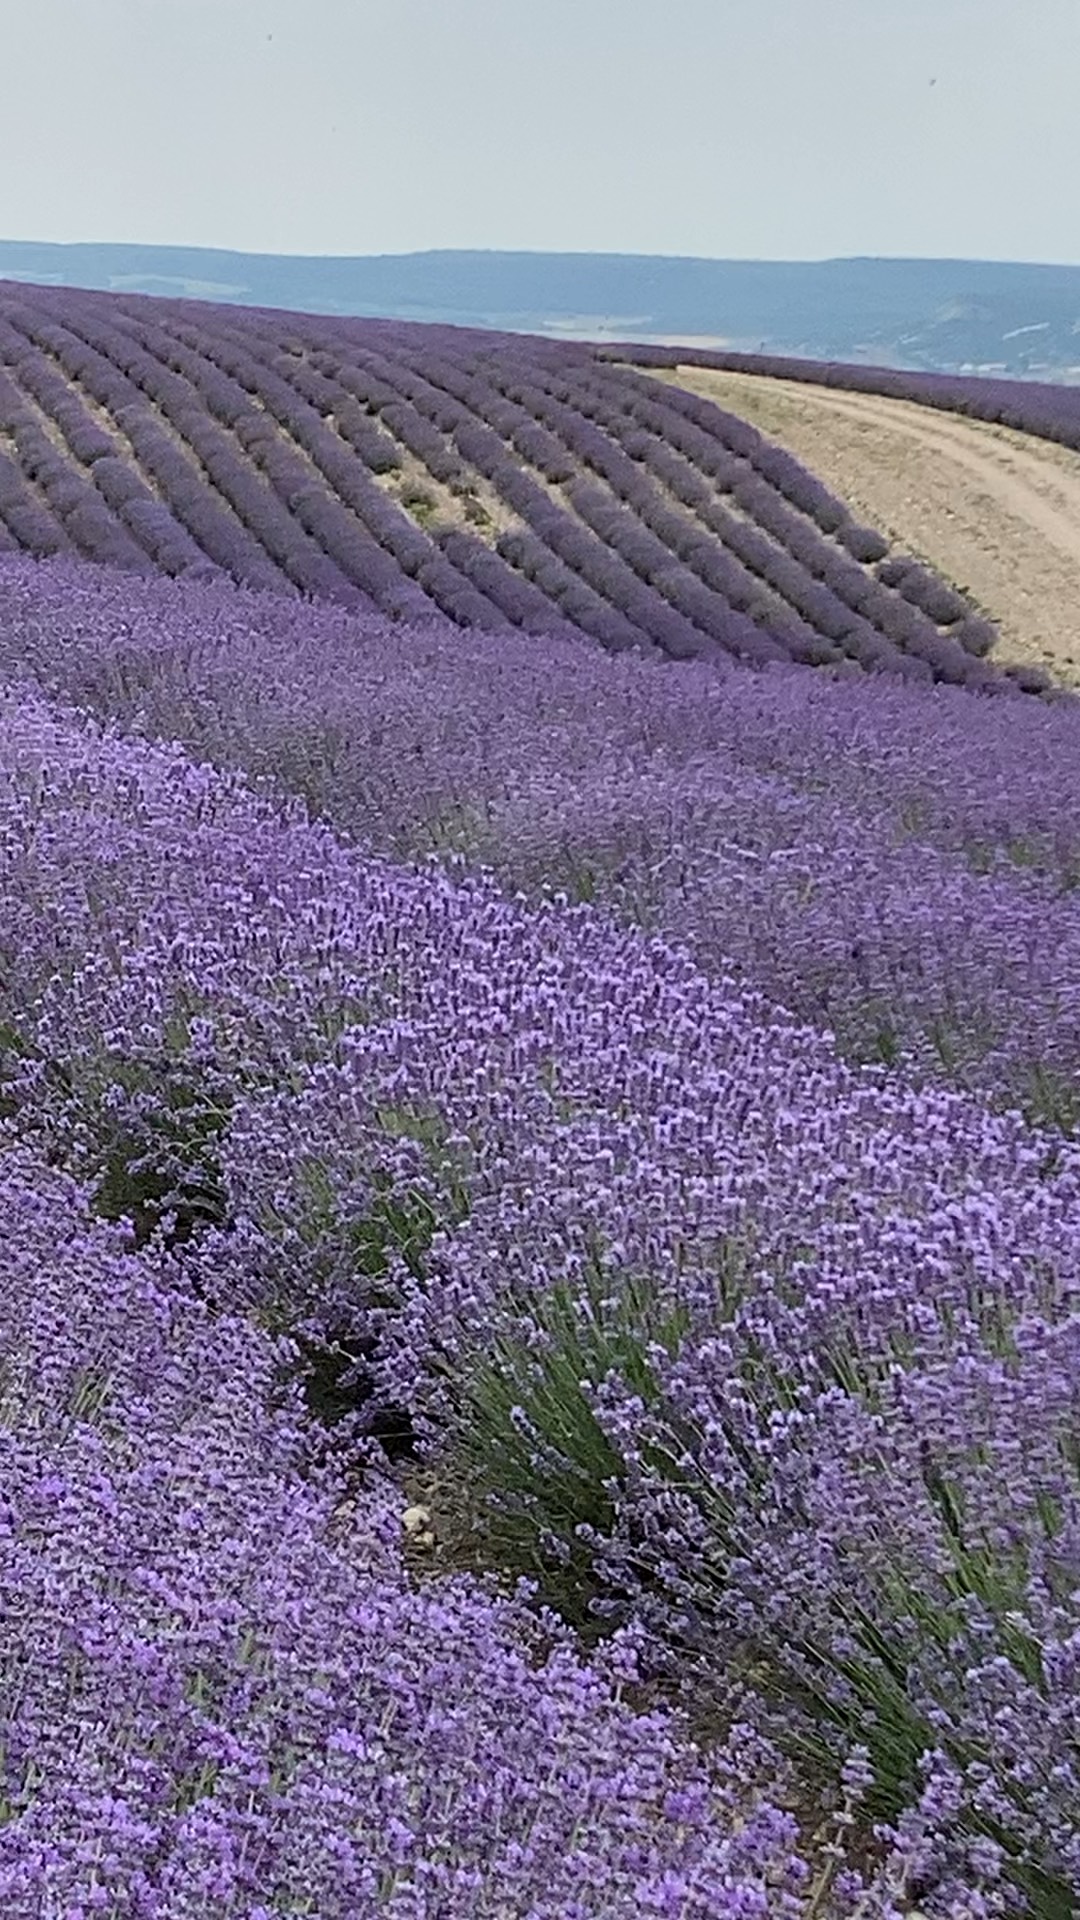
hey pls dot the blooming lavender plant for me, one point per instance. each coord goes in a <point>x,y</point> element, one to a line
<point>218,1696</point>
<point>221,1691</point>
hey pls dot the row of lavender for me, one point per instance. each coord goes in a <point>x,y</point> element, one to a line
<point>898,864</point>
<point>156,434</point>
<point>603,1228</point>
<point>1029,406</point>
<point>667,459</point>
<point>219,1693</point>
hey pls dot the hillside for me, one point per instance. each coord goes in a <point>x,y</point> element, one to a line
<point>423,472</point>
<point>982,504</point>
<point>961,315</point>
<point>540,1252</point>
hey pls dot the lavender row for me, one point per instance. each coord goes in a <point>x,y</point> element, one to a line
<point>222,1694</point>
<point>253,486</point>
<point>589,413</point>
<point>69,500</point>
<point>443,587</point>
<point>586,584</point>
<point>512,405</point>
<point>279,549</point>
<point>346,521</point>
<point>594,1211</point>
<point>24,515</point>
<point>901,868</point>
<point>454,592</point>
<point>769,500</point>
<point>173,485</point>
<point>514,597</point>
<point>139,528</point>
<point>587,427</point>
<point>702,542</point>
<point>845,587</point>
<point>700,612</point>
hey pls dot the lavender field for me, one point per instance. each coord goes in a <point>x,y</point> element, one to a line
<point>436,472</point>
<point>540,1111</point>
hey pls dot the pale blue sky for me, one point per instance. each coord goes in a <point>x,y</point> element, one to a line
<point>767,129</point>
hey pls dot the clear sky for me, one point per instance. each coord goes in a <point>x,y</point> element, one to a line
<point>754,129</point>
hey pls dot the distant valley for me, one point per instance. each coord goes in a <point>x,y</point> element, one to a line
<point>958,316</point>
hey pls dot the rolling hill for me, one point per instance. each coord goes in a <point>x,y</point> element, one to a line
<point>430,472</point>
<point>539,1127</point>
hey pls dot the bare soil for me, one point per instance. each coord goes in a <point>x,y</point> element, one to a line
<point>995,512</point>
<point>448,507</point>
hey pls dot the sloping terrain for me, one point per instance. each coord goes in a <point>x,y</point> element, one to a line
<point>664,1203</point>
<point>1046,408</point>
<point>424,471</point>
<point>995,511</point>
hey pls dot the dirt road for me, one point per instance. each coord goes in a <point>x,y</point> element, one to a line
<point>996,512</point>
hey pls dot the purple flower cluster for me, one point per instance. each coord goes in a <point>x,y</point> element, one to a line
<point>220,1694</point>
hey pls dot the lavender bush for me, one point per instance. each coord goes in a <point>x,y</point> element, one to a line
<point>221,1690</point>
<point>220,1695</point>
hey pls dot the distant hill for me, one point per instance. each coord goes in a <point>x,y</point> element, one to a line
<point>963,316</point>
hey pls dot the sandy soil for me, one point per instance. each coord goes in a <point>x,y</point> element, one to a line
<point>996,512</point>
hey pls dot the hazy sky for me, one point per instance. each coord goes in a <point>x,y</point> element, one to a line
<point>768,129</point>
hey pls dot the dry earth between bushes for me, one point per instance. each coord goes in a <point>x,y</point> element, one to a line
<point>996,512</point>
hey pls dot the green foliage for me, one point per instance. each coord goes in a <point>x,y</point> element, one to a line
<point>14,1049</point>
<point>166,1161</point>
<point>851,1679</point>
<point>1050,1099</point>
<point>458,827</point>
<point>599,879</point>
<point>547,1484</point>
<point>406,1221</point>
<point>418,500</point>
<point>143,1127</point>
<point>528,1444</point>
<point>399,1223</point>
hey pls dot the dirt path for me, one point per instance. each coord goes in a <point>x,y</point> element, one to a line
<point>994,511</point>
